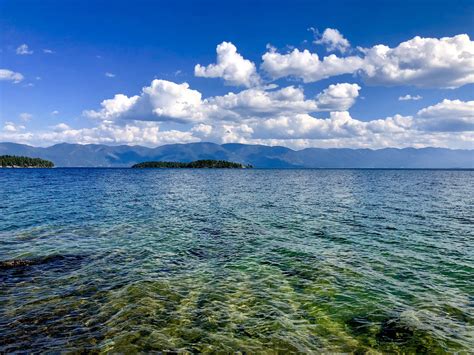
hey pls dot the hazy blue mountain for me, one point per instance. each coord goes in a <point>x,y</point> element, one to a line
<point>260,156</point>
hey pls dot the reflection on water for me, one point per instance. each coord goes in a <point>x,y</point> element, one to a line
<point>126,260</point>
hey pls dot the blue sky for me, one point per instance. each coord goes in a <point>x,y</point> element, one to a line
<point>62,59</point>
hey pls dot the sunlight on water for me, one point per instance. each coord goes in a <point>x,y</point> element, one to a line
<point>121,260</point>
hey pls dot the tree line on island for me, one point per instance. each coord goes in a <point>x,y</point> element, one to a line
<point>198,164</point>
<point>13,161</point>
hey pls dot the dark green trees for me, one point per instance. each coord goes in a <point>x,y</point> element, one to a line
<point>12,161</point>
<point>198,164</point>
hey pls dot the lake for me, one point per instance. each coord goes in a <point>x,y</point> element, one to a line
<point>128,260</point>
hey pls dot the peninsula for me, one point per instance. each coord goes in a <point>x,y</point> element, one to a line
<point>12,161</point>
<point>198,164</point>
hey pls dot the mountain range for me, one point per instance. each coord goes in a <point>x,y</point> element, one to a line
<point>259,156</point>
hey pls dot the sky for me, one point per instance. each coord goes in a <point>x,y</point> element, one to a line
<point>354,74</point>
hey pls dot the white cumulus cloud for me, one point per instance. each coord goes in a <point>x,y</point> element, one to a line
<point>9,75</point>
<point>409,97</point>
<point>168,101</point>
<point>23,50</point>
<point>297,130</point>
<point>447,116</point>
<point>12,127</point>
<point>424,62</point>
<point>285,116</point>
<point>230,66</point>
<point>257,102</point>
<point>333,40</point>
<point>61,127</point>
<point>161,101</point>
<point>143,133</point>
<point>307,66</point>
<point>338,97</point>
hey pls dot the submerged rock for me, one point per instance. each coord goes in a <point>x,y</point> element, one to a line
<point>360,325</point>
<point>396,333</point>
<point>407,332</point>
<point>9,264</point>
<point>55,260</point>
<point>394,330</point>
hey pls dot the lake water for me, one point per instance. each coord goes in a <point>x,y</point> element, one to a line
<point>127,260</point>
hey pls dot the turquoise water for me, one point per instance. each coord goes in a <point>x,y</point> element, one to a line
<point>122,260</point>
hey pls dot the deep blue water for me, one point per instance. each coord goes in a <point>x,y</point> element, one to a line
<point>127,260</point>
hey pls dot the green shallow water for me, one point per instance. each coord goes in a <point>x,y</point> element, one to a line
<point>276,261</point>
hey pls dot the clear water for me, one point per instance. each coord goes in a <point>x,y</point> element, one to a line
<point>126,260</point>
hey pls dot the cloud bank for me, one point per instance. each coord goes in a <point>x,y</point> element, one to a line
<point>424,62</point>
<point>259,111</point>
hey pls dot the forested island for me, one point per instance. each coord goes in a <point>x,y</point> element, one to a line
<point>13,161</point>
<point>198,164</point>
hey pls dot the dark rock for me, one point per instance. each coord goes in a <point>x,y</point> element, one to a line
<point>393,329</point>
<point>10,264</point>
<point>49,261</point>
<point>359,325</point>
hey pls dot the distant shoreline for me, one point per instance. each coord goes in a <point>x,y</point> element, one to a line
<point>259,156</point>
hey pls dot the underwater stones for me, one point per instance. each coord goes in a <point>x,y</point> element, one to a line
<point>10,264</point>
<point>360,325</point>
<point>15,271</point>
<point>50,260</point>
<point>401,327</point>
<point>50,327</point>
<point>393,330</point>
<point>402,332</point>
<point>406,330</point>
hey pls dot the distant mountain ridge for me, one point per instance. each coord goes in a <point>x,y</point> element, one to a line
<point>259,156</point>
